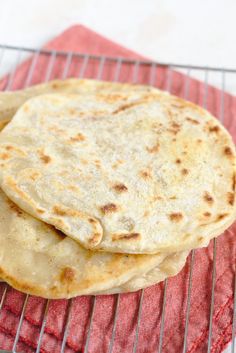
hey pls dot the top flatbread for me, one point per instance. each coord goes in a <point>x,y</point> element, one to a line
<point>153,173</point>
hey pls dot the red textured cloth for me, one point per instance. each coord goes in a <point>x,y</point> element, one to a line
<point>81,39</point>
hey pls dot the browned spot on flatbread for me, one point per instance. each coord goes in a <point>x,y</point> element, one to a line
<point>206,214</point>
<point>146,213</point>
<point>208,198</point>
<point>173,198</point>
<point>175,125</point>
<point>228,151</point>
<point>233,182</point>
<point>34,175</point>
<point>117,163</point>
<point>230,198</point>
<point>73,188</point>
<point>178,161</point>
<point>109,208</point>
<point>145,174</point>
<point>5,156</point>
<point>184,171</point>
<point>200,238</point>
<point>199,141</point>
<point>176,216</point>
<point>125,236</point>
<point>67,275</point>
<point>120,188</point>
<point>55,85</point>
<point>175,128</point>
<point>154,148</point>
<point>59,211</point>
<point>44,158</point>
<point>95,238</point>
<point>78,138</point>
<point>215,129</point>
<point>83,161</point>
<point>221,216</point>
<point>156,198</point>
<point>193,121</point>
<point>92,220</point>
<point>127,106</point>
<point>40,211</point>
<point>111,98</point>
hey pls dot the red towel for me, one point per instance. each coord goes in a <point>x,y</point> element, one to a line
<point>81,39</point>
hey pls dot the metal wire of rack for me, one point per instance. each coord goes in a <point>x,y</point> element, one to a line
<point>135,65</point>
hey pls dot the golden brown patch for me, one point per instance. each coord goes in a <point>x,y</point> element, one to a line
<point>73,188</point>
<point>4,156</point>
<point>178,161</point>
<point>44,158</point>
<point>117,163</point>
<point>175,125</point>
<point>125,236</point>
<point>228,152</point>
<point>40,211</point>
<point>145,174</point>
<point>120,188</point>
<point>200,238</point>
<point>59,211</point>
<point>127,106</point>
<point>208,198</point>
<point>15,208</point>
<point>34,175</point>
<point>146,214</point>
<point>174,139</point>
<point>206,214</point>
<point>84,161</point>
<point>55,85</point>
<point>184,171</point>
<point>153,149</point>
<point>92,220</point>
<point>215,129</point>
<point>156,197</point>
<point>111,98</point>
<point>94,239</point>
<point>199,141</point>
<point>233,182</point>
<point>72,111</point>
<point>67,275</point>
<point>173,198</point>
<point>193,121</point>
<point>230,198</point>
<point>9,148</point>
<point>109,208</point>
<point>175,217</point>
<point>78,138</point>
<point>221,216</point>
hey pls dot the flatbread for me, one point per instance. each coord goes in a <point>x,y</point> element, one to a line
<point>154,174</point>
<point>37,259</point>
<point>169,267</point>
<point>10,101</point>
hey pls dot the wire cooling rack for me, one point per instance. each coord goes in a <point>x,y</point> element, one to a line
<point>132,67</point>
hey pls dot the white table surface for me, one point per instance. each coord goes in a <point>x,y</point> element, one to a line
<point>186,31</point>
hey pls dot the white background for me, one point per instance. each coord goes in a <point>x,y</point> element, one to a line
<point>199,32</point>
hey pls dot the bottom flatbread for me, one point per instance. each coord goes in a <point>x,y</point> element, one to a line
<point>37,259</point>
